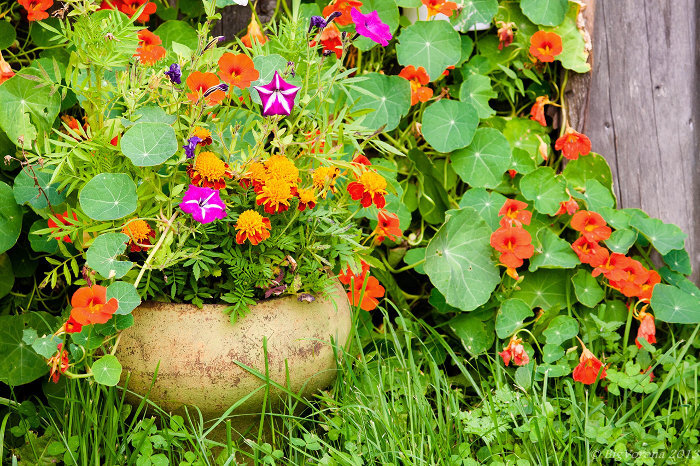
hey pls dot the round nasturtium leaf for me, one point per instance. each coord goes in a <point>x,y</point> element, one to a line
<point>458,260</point>
<point>148,144</point>
<point>26,191</point>
<point>589,167</point>
<point>545,189</point>
<point>527,135</point>
<point>102,255</point>
<point>108,196</point>
<point>573,55</point>
<point>664,236</point>
<point>678,260</point>
<point>127,296</point>
<point>434,45</point>
<point>552,353</point>
<point>621,240</point>
<point>545,289</point>
<point>388,98</point>
<point>560,329</point>
<point>474,334</point>
<point>7,34</point>
<point>477,90</point>
<point>587,290</point>
<point>389,14</point>
<point>545,12</point>
<point>476,11</point>
<point>449,124</point>
<point>484,162</point>
<point>107,370</point>
<point>486,203</point>
<point>673,305</point>
<point>177,31</point>
<point>10,218</point>
<point>556,253</point>
<point>511,316</point>
<point>7,276</point>
<point>19,363</point>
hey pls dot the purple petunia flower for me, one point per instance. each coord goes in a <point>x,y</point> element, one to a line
<point>174,73</point>
<point>191,146</point>
<point>317,22</point>
<point>371,26</point>
<point>277,96</point>
<point>218,87</point>
<point>204,204</point>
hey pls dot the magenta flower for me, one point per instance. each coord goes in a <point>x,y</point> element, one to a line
<point>371,26</point>
<point>277,97</point>
<point>204,204</point>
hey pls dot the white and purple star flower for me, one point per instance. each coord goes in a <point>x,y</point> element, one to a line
<point>277,97</point>
<point>204,204</point>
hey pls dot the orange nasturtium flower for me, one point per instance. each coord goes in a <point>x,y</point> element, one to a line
<point>36,9</point>
<point>514,213</point>
<point>537,110</point>
<point>545,46</point>
<point>59,363</point>
<point>346,276</point>
<point>307,199</point>
<point>63,218</point>
<point>588,367</point>
<point>387,226</point>
<point>369,188</point>
<point>253,227</point>
<point>237,70</point>
<point>330,40</point>
<point>343,7</point>
<point>90,305</point>
<point>647,287</point>
<point>149,51</point>
<point>199,82</point>
<point>275,195</point>
<point>5,70</point>
<point>515,351</point>
<point>439,6</point>
<point>139,233</point>
<point>514,244</point>
<point>72,326</point>
<point>647,329</point>
<point>209,171</point>
<point>573,144</point>
<point>373,290</point>
<point>634,276</point>
<point>254,34</point>
<point>590,252</point>
<point>130,7</point>
<point>567,207</point>
<point>505,34</point>
<point>591,225</point>
<point>418,79</point>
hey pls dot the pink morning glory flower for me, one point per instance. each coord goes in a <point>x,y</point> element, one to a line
<point>371,26</point>
<point>277,96</point>
<point>204,204</point>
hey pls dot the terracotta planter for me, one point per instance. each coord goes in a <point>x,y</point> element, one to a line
<point>197,350</point>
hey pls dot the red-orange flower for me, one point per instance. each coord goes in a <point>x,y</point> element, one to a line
<point>209,171</point>
<point>573,144</point>
<point>544,46</point>
<point>361,159</point>
<point>514,244</point>
<point>590,252</point>
<point>505,34</point>
<point>647,329</point>
<point>63,218</point>
<point>130,7</point>
<point>237,70</point>
<point>330,40</point>
<point>514,213</point>
<point>72,325</point>
<point>199,82</point>
<point>612,268</point>
<point>275,195</point>
<point>254,34</point>
<point>568,207</point>
<point>5,70</point>
<point>515,351</point>
<point>588,367</point>
<point>370,298</point>
<point>647,288</point>
<point>347,276</point>
<point>90,305</point>
<point>307,199</point>
<point>439,6</point>
<point>387,226</point>
<point>370,188</point>
<point>634,276</point>
<point>59,363</point>
<point>149,52</point>
<point>36,9</point>
<point>591,225</point>
<point>343,7</point>
<point>253,227</point>
<point>418,79</point>
<point>537,110</point>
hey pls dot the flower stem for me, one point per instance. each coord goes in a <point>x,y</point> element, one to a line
<point>155,248</point>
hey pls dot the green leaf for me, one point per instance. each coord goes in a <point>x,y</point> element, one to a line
<point>388,13</point>
<point>545,189</point>
<point>673,305</point>
<point>449,124</point>
<point>149,144</point>
<point>664,236</point>
<point>437,300</point>
<point>597,196</point>
<point>553,370</point>
<point>46,346</point>
<point>588,291</point>
<point>545,289</point>
<point>7,274</point>
<point>556,253</point>
<point>477,90</point>
<point>177,31</point>
<point>484,162</point>
<point>522,162</point>
<point>415,255</point>
<point>458,260</point>
<point>388,96</point>
<point>153,114</point>
<point>511,316</point>
<point>26,191</point>
<point>108,196</point>
<point>523,376</point>
<point>107,370</point>
<point>525,134</point>
<point>473,333</point>
<point>127,296</point>
<point>545,12</point>
<point>679,261</point>
<point>560,329</point>
<point>621,241</point>
<point>573,55</point>
<point>552,353</point>
<point>10,218</point>
<point>102,255</point>
<point>7,34</point>
<point>42,243</point>
<point>41,36</point>
<point>88,337</point>
<point>486,203</point>
<point>590,167</point>
<point>19,363</point>
<point>434,45</point>
<point>476,11</point>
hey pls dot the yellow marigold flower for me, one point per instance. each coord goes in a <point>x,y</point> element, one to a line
<point>255,175</point>
<point>253,227</point>
<point>275,195</point>
<point>279,166</point>
<point>324,178</point>
<point>209,171</point>
<point>139,233</point>
<point>203,134</point>
<point>307,198</point>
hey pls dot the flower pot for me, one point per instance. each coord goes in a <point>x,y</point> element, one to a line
<point>197,351</point>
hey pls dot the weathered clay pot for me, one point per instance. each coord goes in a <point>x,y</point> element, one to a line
<point>198,348</point>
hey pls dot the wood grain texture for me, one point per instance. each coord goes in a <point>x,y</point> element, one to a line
<point>643,105</point>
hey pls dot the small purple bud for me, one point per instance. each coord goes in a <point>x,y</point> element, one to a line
<point>317,22</point>
<point>333,16</point>
<point>191,146</point>
<point>174,73</point>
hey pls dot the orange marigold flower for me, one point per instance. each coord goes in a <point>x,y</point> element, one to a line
<point>573,144</point>
<point>514,244</point>
<point>588,367</point>
<point>347,276</point>
<point>279,166</point>
<point>537,110</point>
<point>90,305</point>
<point>590,252</point>
<point>418,78</point>
<point>591,225</point>
<point>203,134</point>
<point>199,82</point>
<point>634,276</point>
<point>255,176</point>
<point>209,171</point>
<point>149,50</point>
<point>439,6</point>
<point>324,179</point>
<point>544,46</point>
<point>343,7</point>
<point>254,34</point>
<point>567,207</point>
<point>59,363</point>
<point>237,70</point>
<point>514,213</point>
<point>330,40</point>
<point>36,9</point>
<point>253,227</point>
<point>139,233</point>
<point>275,195</point>
<point>647,329</point>
<point>369,299</point>
<point>5,70</point>
<point>505,34</point>
<point>387,226</point>
<point>307,199</point>
<point>63,218</point>
<point>515,351</point>
<point>369,188</point>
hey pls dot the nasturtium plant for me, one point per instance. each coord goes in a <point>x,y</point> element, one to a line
<point>433,45</point>
<point>109,196</point>
<point>483,163</point>
<point>449,125</point>
<point>386,97</point>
